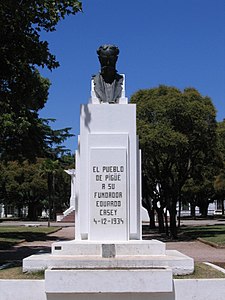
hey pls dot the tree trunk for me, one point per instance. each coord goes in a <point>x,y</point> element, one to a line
<point>49,209</point>
<point>222,203</point>
<point>53,197</point>
<point>152,218</point>
<point>193,210</point>
<point>49,198</point>
<point>160,220</point>
<point>204,208</point>
<point>166,223</point>
<point>32,213</point>
<point>20,215</point>
<point>147,204</point>
<point>173,221</point>
<point>5,211</point>
<point>179,212</point>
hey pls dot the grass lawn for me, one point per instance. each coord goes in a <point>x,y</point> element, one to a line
<point>16,273</point>
<point>11,235</point>
<point>202,271</point>
<point>212,233</point>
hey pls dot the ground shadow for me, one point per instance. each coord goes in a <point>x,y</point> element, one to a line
<point>15,254</point>
<point>185,233</point>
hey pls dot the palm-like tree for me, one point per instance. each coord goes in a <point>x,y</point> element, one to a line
<point>49,169</point>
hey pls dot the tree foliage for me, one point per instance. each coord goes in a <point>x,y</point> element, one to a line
<point>219,183</point>
<point>26,184</point>
<point>23,92</point>
<point>177,138</point>
<point>21,185</point>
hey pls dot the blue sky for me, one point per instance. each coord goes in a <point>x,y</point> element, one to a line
<point>178,43</point>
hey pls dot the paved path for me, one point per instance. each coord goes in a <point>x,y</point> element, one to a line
<point>195,249</point>
<point>64,234</point>
<point>199,251</point>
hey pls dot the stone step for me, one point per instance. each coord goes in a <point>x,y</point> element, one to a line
<point>70,218</point>
<point>149,280</point>
<point>178,262</point>
<point>109,249</point>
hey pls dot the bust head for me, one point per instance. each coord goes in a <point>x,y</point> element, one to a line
<point>108,83</point>
<point>108,55</point>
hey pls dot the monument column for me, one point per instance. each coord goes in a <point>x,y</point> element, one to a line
<point>107,160</point>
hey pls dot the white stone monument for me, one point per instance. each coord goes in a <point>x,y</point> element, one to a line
<point>108,174</point>
<point>108,254</point>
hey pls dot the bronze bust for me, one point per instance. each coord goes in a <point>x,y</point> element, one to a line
<point>108,83</point>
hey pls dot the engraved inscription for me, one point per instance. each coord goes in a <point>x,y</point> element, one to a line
<point>108,192</point>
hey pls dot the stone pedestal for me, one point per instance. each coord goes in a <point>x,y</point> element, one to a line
<point>108,174</point>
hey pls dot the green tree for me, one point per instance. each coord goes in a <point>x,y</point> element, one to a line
<point>22,185</point>
<point>58,183</point>
<point>177,137</point>
<point>49,169</point>
<point>219,186</point>
<point>53,140</point>
<point>219,183</point>
<point>199,190</point>
<point>40,185</point>
<point>23,92</point>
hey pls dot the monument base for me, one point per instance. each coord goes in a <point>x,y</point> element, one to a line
<point>123,255</point>
<point>108,281</point>
<point>127,269</point>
